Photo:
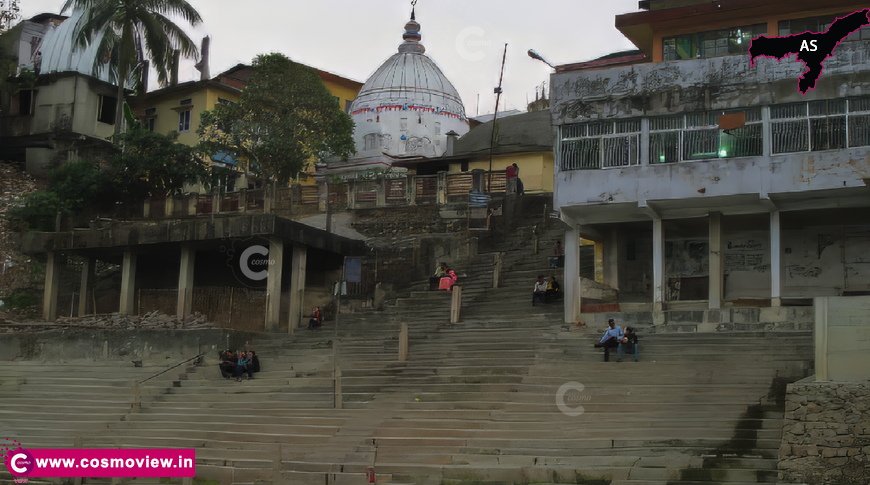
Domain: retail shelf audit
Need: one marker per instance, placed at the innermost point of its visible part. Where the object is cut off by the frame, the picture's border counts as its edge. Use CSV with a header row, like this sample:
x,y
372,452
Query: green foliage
x,y
285,119
149,163
37,213
20,300
80,185
131,31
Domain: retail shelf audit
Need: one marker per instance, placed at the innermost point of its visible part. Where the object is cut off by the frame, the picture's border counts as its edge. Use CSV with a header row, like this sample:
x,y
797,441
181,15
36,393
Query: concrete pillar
x,y
717,270
403,342
128,284
52,286
273,283
456,304
611,259
572,276
382,192
87,283
599,261
412,189
442,188
775,260
658,265
297,285
185,281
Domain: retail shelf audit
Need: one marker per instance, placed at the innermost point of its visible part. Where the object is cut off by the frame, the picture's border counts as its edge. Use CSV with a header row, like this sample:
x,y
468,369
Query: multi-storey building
x,y
708,180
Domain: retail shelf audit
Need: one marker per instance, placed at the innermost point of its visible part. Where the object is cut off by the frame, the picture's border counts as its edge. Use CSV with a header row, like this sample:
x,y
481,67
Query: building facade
x,y
709,181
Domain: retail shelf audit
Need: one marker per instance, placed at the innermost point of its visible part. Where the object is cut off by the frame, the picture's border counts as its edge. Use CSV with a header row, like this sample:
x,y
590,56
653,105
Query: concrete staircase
x,y
509,395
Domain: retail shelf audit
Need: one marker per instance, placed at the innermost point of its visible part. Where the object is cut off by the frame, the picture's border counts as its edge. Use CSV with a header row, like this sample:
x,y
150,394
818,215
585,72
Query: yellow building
x,y
525,139
178,108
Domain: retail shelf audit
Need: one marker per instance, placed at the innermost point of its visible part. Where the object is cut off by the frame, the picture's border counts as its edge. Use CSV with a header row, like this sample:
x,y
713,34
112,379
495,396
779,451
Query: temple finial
x,y
412,35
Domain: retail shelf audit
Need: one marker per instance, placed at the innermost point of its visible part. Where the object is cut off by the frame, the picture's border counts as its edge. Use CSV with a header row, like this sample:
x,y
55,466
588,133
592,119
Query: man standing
x,y
611,338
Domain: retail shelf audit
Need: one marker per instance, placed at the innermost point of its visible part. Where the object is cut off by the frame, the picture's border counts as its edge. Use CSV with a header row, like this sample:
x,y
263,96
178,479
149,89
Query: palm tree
x,y
130,31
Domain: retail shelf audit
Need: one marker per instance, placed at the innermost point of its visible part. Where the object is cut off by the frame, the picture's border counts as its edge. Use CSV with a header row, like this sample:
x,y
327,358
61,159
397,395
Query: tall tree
x,y
285,119
129,31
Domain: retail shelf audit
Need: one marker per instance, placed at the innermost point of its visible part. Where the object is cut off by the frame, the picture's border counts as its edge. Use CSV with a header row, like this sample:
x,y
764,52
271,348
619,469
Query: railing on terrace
x,y
356,194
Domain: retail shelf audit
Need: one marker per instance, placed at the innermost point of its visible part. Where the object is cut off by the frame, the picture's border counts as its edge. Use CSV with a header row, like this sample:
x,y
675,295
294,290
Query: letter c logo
x,y
461,42
560,398
244,265
13,463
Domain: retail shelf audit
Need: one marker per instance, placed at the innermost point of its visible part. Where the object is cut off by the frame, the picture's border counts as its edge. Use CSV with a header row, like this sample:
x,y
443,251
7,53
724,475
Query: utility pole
x,y
495,119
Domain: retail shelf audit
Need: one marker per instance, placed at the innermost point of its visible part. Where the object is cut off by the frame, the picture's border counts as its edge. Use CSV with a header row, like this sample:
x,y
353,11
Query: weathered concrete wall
x,y
747,264
701,84
842,338
826,437
843,170
149,346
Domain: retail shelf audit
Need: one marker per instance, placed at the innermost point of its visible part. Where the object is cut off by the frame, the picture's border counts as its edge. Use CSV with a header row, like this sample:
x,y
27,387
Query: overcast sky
x,y
465,37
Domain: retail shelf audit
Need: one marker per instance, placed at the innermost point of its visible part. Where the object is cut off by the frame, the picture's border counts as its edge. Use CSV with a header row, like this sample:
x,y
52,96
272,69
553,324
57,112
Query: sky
x,y
466,38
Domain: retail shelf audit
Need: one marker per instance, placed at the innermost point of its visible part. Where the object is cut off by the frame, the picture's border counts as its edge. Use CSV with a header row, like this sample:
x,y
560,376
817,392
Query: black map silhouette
x,y
817,46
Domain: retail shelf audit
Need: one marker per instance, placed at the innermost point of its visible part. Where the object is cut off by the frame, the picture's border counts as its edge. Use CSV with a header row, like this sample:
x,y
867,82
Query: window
x,y
25,102
186,101
347,105
820,125
372,141
183,121
106,112
819,24
696,136
712,43
600,144
225,102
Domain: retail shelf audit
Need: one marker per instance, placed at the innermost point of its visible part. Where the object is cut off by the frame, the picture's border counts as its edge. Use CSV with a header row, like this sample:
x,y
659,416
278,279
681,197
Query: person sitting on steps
x,y
255,362
540,294
628,342
228,364
244,365
448,278
316,319
554,290
611,338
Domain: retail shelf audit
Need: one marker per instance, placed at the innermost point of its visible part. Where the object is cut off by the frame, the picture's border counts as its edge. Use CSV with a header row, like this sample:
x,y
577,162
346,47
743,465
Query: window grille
x,y
600,144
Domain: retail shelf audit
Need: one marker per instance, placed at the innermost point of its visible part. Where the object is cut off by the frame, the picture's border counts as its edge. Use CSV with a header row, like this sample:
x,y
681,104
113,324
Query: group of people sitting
x,y
238,363
615,337
546,290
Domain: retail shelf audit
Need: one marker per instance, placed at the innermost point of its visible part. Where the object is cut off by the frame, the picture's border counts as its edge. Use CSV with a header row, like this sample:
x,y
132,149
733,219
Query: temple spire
x,y
412,35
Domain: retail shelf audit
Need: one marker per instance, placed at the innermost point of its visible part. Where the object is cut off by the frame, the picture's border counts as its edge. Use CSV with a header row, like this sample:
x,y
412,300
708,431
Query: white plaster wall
x,y
842,338
78,98
834,169
421,128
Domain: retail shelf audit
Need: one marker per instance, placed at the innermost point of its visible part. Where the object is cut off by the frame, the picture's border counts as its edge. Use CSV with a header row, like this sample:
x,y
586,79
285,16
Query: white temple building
x,y
405,109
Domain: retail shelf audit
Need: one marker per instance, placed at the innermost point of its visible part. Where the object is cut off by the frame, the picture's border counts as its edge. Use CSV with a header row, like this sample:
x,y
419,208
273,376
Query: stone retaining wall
x,y
826,436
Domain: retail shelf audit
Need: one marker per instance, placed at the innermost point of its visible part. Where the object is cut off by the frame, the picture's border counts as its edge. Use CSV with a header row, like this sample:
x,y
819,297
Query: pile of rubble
x,y
15,184
149,321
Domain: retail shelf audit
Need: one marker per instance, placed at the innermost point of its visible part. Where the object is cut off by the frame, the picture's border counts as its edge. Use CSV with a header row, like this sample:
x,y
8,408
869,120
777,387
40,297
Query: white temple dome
x,y
408,105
